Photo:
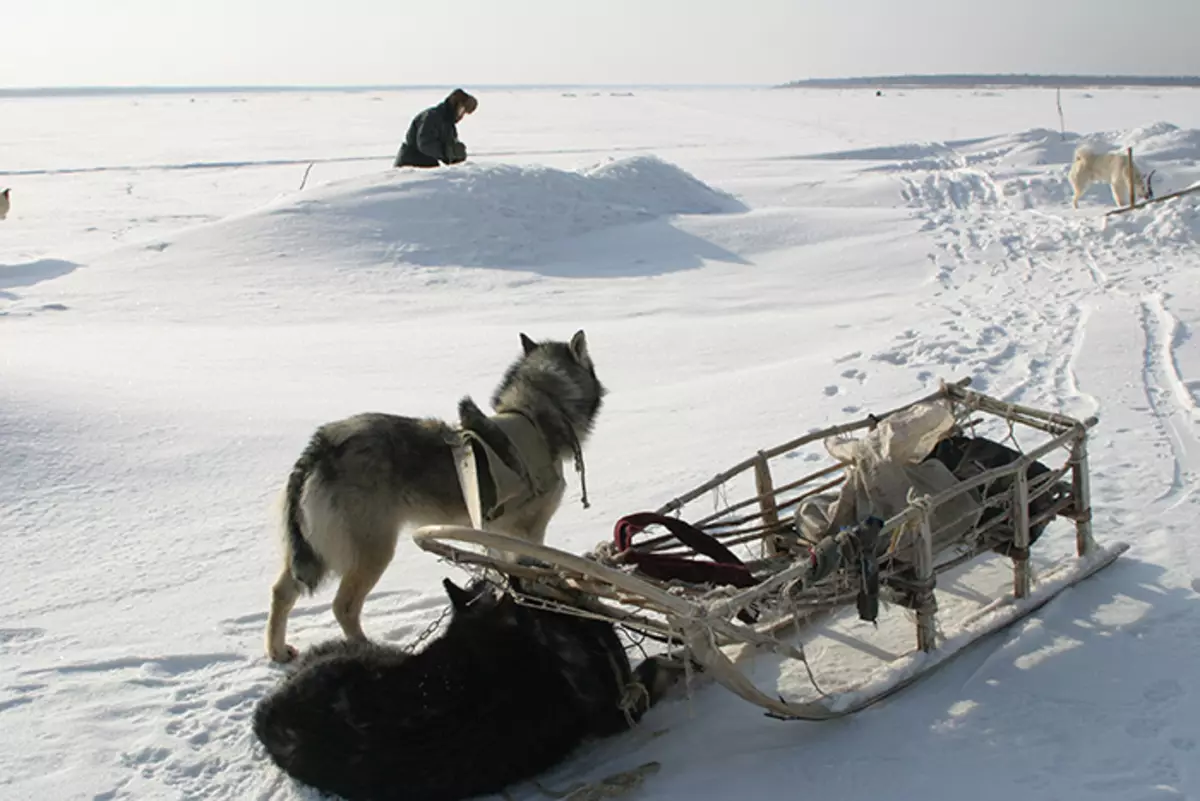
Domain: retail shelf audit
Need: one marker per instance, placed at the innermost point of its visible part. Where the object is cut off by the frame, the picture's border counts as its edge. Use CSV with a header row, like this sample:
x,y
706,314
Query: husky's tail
x,y
306,564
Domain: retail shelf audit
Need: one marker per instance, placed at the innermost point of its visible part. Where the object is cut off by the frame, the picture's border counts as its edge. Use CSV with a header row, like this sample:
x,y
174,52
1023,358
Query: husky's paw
x,y
282,655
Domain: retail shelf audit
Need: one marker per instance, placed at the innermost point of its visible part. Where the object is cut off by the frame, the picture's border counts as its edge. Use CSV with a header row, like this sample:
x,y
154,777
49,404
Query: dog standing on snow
x,y
1112,168
362,479
506,692
5,203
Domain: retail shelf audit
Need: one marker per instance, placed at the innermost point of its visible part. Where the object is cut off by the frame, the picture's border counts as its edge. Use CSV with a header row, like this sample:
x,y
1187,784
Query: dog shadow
x,y
312,610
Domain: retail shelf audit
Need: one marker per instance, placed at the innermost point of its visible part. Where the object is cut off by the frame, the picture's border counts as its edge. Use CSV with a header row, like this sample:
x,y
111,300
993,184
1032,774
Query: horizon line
x,y
100,89
267,87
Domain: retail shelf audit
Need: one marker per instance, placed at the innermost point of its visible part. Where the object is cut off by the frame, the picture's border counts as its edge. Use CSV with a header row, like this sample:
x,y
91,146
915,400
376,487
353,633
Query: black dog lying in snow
x,y
508,691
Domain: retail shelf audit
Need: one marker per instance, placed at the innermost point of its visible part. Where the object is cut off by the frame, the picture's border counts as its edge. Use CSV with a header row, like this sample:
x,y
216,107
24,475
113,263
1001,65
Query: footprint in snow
x,y
1163,690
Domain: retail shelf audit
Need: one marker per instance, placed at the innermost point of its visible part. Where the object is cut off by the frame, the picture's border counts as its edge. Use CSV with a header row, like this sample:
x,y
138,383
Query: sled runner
x,y
904,502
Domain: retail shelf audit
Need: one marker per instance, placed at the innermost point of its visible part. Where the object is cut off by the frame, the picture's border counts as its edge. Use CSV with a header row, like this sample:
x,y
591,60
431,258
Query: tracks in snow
x,y
1170,397
1017,288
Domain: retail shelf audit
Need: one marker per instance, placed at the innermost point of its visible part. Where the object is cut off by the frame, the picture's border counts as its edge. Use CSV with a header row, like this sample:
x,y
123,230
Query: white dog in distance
x,y
1112,168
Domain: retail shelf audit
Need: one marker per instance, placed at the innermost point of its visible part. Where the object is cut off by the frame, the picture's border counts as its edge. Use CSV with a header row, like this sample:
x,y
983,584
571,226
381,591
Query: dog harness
x,y
494,486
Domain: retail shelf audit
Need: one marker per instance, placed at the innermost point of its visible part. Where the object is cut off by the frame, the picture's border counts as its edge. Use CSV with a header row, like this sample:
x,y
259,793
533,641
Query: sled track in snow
x,y
1169,396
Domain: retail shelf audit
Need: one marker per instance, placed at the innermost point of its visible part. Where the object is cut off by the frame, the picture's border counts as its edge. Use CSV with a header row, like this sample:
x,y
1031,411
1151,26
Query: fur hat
x,y
461,98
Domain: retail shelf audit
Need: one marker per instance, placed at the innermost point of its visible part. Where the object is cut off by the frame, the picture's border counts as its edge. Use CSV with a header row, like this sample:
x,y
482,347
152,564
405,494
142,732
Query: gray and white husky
x,y
363,479
5,203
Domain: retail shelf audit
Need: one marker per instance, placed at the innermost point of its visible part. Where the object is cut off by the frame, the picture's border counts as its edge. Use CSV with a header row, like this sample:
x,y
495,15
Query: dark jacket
x,y
432,138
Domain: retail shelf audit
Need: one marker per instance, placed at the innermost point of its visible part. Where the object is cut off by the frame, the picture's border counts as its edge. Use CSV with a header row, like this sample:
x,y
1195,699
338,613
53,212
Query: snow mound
x,y
958,189
470,215
1157,142
1164,142
1173,223
656,186
901,158
1038,147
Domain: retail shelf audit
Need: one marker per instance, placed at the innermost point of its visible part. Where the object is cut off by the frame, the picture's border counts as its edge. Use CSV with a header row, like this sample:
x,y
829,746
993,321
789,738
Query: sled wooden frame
x,y
705,619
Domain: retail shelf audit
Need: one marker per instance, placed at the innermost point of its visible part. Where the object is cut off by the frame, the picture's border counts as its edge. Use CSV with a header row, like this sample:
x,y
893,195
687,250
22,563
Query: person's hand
x,y
459,153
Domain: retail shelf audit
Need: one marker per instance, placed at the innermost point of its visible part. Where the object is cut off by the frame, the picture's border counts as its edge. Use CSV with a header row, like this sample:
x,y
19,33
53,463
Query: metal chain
x,y
429,630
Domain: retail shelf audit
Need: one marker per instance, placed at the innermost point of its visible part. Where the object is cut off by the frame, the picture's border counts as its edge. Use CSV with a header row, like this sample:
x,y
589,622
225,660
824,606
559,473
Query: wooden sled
x,y
792,578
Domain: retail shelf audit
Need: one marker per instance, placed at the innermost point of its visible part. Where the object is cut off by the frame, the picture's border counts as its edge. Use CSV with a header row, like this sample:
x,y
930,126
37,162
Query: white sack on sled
x,y
883,466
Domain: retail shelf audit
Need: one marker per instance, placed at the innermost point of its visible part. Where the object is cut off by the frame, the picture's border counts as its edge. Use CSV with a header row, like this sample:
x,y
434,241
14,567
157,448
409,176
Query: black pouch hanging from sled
x,y
867,600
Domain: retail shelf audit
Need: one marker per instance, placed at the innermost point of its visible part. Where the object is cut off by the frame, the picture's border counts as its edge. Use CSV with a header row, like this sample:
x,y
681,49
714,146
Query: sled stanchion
x,y
926,601
1081,489
766,502
1020,518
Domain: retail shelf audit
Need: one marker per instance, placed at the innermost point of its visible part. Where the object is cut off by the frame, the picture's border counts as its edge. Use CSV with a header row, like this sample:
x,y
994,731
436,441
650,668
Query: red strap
x,y
725,568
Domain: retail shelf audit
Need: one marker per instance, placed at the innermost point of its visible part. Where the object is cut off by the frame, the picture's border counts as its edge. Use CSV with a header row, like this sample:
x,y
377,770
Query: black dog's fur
x,y
507,692
967,457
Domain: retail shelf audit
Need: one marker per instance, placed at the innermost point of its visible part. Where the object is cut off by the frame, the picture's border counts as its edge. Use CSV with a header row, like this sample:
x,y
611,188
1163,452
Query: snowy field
x,y
176,318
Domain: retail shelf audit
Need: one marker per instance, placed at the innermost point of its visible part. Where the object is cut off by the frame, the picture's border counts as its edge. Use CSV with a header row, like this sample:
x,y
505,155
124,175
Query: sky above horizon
x,y
46,43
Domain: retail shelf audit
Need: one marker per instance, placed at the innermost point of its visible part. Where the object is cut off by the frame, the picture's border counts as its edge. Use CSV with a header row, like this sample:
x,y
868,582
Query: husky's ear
x,y
459,598
579,347
528,344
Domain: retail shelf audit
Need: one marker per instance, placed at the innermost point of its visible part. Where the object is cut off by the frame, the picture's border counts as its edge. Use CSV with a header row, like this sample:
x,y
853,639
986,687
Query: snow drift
x,y
473,215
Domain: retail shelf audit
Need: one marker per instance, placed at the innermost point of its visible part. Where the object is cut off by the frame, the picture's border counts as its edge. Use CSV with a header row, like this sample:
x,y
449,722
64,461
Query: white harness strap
x,y
538,471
